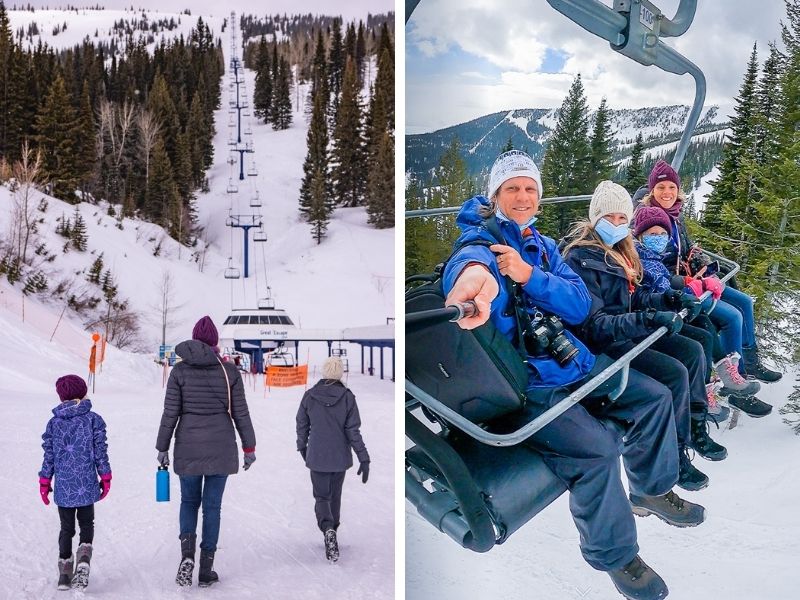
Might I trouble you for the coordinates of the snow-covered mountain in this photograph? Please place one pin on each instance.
(530, 129)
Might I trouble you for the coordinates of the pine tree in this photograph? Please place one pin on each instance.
(336, 64)
(262, 96)
(56, 124)
(601, 161)
(508, 147)
(162, 193)
(348, 172)
(361, 52)
(160, 103)
(319, 76)
(77, 235)
(567, 161)
(317, 158)
(380, 185)
(319, 213)
(85, 139)
(635, 176)
(96, 270)
(6, 57)
(281, 115)
(735, 150)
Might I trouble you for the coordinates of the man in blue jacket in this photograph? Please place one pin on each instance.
(580, 449)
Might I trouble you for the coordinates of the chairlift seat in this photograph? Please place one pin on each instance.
(266, 303)
(260, 236)
(252, 171)
(232, 273)
(232, 189)
(255, 201)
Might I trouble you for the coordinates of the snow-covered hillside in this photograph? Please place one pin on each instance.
(270, 546)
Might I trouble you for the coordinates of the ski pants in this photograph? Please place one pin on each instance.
(584, 452)
(327, 498)
(205, 491)
(67, 516)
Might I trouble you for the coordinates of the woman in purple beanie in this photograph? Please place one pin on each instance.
(733, 314)
(205, 401)
(76, 453)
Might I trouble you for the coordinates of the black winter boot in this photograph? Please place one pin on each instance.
(331, 546)
(207, 576)
(186, 568)
(750, 405)
(753, 366)
(703, 444)
(689, 477)
(83, 557)
(637, 581)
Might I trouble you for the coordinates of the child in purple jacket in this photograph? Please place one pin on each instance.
(76, 452)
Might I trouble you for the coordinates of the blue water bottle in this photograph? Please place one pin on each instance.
(162, 484)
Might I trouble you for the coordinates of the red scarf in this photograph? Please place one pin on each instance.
(673, 211)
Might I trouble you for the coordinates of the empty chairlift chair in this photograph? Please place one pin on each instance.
(231, 272)
(255, 200)
(252, 171)
(260, 236)
(248, 130)
(232, 188)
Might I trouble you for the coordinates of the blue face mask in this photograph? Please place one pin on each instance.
(528, 223)
(611, 234)
(655, 243)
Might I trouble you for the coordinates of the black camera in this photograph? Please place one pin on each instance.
(547, 334)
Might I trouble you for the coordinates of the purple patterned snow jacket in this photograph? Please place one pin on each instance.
(76, 451)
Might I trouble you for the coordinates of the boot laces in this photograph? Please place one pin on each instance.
(636, 568)
(733, 371)
(673, 499)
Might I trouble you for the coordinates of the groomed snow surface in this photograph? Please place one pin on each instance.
(747, 549)
(269, 544)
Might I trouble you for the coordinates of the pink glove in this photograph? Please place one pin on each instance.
(105, 485)
(695, 285)
(45, 489)
(715, 286)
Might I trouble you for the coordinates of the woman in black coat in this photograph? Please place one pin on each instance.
(328, 427)
(601, 251)
(205, 400)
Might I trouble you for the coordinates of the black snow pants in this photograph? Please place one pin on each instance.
(327, 498)
(85, 516)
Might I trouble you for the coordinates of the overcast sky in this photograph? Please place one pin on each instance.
(475, 57)
(349, 9)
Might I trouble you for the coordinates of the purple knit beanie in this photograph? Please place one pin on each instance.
(662, 172)
(71, 387)
(650, 216)
(205, 331)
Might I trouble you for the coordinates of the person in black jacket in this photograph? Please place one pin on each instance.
(602, 252)
(205, 399)
(328, 426)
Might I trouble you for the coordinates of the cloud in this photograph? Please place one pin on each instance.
(515, 36)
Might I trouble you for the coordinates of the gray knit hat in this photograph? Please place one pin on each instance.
(332, 368)
(508, 165)
(608, 198)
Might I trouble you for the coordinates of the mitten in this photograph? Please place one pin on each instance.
(45, 489)
(692, 305)
(363, 470)
(715, 286)
(672, 298)
(249, 459)
(105, 485)
(664, 318)
(695, 285)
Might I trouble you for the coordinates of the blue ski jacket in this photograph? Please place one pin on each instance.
(76, 452)
(553, 288)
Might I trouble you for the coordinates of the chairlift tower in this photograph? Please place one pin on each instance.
(245, 223)
(243, 149)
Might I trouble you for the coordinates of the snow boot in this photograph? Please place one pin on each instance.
(83, 557)
(331, 546)
(186, 568)
(702, 442)
(717, 411)
(753, 366)
(727, 369)
(65, 572)
(207, 576)
(689, 477)
(750, 405)
(637, 581)
(669, 508)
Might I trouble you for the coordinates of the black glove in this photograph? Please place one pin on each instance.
(363, 470)
(249, 459)
(664, 318)
(303, 452)
(163, 459)
(672, 298)
(692, 305)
